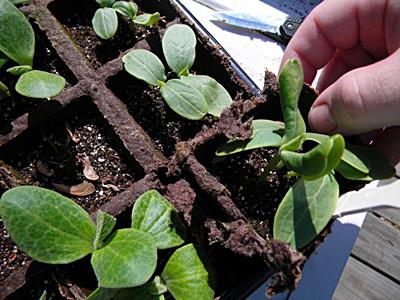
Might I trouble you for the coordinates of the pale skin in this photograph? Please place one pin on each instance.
(357, 43)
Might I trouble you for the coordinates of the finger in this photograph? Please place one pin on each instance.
(316, 40)
(342, 62)
(389, 143)
(362, 100)
(338, 24)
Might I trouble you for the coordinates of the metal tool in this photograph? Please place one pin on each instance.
(277, 26)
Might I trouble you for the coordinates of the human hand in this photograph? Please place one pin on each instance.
(357, 43)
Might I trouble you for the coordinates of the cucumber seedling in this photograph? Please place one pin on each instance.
(17, 43)
(191, 96)
(310, 203)
(105, 20)
(53, 229)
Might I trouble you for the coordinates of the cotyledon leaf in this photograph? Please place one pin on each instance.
(152, 213)
(179, 47)
(138, 293)
(145, 66)
(19, 70)
(128, 259)
(184, 99)
(46, 225)
(305, 210)
(186, 275)
(17, 39)
(104, 225)
(266, 133)
(215, 94)
(105, 22)
(147, 19)
(126, 8)
(290, 85)
(40, 84)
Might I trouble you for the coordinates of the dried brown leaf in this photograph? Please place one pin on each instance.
(82, 189)
(42, 169)
(88, 170)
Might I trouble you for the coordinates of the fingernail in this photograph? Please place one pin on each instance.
(321, 119)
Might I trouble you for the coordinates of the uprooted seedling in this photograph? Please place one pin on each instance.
(53, 229)
(105, 20)
(310, 203)
(191, 96)
(17, 43)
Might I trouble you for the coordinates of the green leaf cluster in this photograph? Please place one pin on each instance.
(191, 96)
(310, 202)
(53, 229)
(105, 20)
(17, 43)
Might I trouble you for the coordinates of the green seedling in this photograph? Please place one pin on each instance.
(53, 229)
(105, 20)
(311, 201)
(191, 96)
(17, 43)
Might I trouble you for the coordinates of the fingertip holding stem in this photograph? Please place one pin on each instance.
(321, 119)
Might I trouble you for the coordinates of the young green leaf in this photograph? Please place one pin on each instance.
(145, 66)
(46, 225)
(104, 225)
(184, 99)
(290, 85)
(17, 39)
(317, 162)
(128, 259)
(44, 295)
(105, 23)
(179, 47)
(105, 3)
(125, 8)
(215, 94)
(19, 70)
(358, 157)
(138, 293)
(3, 59)
(305, 210)
(360, 162)
(152, 213)
(39, 84)
(4, 91)
(16, 2)
(266, 133)
(186, 276)
(147, 19)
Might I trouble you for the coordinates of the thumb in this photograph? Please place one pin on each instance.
(361, 100)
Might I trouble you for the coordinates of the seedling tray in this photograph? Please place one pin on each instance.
(136, 143)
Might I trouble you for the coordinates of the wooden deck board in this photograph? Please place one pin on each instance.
(358, 281)
(373, 269)
(378, 244)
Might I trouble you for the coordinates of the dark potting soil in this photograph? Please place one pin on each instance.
(149, 109)
(239, 173)
(77, 15)
(11, 257)
(59, 153)
(46, 59)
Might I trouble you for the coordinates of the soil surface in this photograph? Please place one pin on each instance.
(257, 200)
(149, 109)
(59, 153)
(77, 15)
